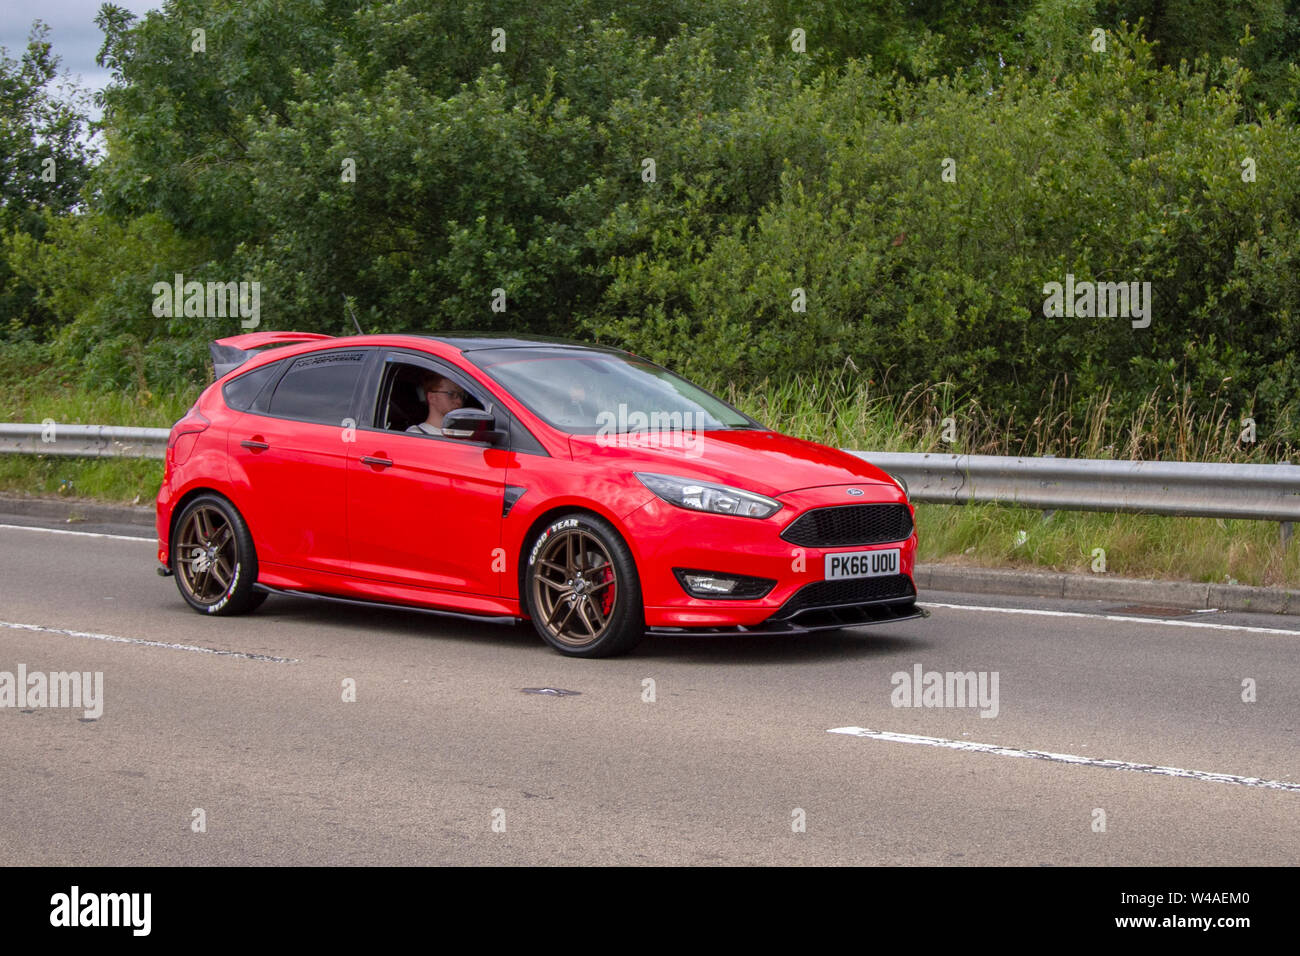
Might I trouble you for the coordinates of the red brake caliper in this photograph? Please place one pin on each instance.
(607, 602)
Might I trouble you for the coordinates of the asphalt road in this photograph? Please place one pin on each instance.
(443, 759)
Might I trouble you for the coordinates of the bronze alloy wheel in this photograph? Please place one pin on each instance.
(207, 554)
(213, 559)
(575, 587)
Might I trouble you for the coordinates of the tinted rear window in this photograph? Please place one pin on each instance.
(242, 391)
(319, 387)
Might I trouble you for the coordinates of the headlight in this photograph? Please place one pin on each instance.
(902, 483)
(694, 495)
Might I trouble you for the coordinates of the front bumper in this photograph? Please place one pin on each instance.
(666, 537)
(827, 619)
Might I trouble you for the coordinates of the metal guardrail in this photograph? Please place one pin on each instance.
(83, 441)
(1190, 489)
(1193, 489)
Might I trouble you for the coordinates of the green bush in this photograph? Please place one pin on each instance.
(1119, 171)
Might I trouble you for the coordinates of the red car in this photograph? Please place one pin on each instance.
(584, 488)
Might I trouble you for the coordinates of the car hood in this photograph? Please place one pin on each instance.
(763, 461)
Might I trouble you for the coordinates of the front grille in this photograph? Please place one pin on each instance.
(845, 525)
(827, 594)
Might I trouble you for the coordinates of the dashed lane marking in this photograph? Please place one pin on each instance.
(1206, 625)
(136, 640)
(1000, 751)
(84, 534)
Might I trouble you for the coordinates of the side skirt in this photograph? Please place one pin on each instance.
(462, 615)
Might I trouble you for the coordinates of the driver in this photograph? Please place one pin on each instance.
(442, 395)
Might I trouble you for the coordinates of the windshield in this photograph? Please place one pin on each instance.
(588, 392)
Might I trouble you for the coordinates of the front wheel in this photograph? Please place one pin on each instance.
(213, 558)
(582, 588)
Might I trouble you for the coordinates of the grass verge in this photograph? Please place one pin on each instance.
(116, 480)
(1122, 545)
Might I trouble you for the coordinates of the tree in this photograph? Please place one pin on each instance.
(44, 162)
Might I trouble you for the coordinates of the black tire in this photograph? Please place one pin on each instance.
(213, 559)
(581, 587)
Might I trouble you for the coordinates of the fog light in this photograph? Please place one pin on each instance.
(713, 584)
(709, 584)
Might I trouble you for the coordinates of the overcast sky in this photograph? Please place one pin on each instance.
(73, 33)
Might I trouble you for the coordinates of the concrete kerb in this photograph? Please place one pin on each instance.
(76, 510)
(1188, 594)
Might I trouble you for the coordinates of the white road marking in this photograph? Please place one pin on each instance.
(84, 534)
(1067, 758)
(1117, 617)
(136, 640)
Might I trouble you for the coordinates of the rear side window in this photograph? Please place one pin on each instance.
(319, 387)
(241, 392)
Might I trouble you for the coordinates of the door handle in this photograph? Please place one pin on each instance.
(380, 462)
(254, 444)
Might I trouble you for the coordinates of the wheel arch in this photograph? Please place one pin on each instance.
(186, 497)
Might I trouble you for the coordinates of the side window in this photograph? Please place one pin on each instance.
(401, 404)
(242, 391)
(319, 387)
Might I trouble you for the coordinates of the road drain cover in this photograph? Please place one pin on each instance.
(1152, 610)
(552, 691)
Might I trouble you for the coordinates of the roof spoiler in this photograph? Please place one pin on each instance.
(229, 354)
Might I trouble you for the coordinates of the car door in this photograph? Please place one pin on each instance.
(424, 510)
(288, 457)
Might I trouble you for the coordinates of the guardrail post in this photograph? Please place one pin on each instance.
(1047, 515)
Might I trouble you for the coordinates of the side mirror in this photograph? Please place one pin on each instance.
(470, 424)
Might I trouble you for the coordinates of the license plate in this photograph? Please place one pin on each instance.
(862, 564)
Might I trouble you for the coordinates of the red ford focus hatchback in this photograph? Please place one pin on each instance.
(591, 491)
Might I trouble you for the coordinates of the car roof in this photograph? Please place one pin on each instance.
(237, 352)
(474, 341)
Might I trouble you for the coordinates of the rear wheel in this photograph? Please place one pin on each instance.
(213, 558)
(582, 588)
